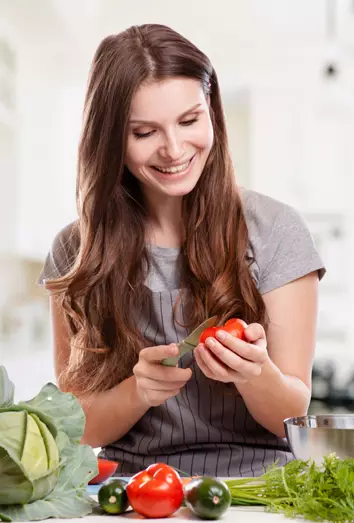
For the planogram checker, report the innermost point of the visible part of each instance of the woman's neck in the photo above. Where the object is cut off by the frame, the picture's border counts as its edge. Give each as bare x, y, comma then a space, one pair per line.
164, 227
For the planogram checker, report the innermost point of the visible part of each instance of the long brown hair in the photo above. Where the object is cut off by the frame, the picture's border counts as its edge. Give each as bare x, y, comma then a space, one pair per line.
103, 288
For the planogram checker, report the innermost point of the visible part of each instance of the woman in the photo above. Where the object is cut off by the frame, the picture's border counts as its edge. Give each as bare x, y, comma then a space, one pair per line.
165, 239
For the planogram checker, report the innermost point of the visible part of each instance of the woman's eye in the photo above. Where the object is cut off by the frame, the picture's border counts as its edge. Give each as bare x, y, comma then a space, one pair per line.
146, 135
143, 135
189, 122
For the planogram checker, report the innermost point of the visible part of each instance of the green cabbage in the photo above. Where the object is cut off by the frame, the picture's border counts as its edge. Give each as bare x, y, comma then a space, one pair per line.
44, 471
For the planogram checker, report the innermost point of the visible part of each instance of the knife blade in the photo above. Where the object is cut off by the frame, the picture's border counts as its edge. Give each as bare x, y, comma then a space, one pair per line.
190, 343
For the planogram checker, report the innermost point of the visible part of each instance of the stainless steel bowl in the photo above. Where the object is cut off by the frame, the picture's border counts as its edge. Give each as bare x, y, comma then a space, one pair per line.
316, 436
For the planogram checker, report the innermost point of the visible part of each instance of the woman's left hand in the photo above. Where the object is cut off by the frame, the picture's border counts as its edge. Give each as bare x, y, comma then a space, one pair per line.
229, 359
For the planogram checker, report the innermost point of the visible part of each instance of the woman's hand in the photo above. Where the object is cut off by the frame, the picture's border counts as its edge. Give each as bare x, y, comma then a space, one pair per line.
156, 383
231, 360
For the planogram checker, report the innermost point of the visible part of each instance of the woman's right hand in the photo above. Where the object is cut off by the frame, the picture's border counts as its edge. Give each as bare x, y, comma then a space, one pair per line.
155, 382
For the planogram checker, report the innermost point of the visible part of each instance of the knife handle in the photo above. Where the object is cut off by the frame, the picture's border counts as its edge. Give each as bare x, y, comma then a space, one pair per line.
171, 362
183, 349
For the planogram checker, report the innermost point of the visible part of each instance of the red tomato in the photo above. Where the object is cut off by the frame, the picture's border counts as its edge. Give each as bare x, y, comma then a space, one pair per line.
232, 320
208, 333
234, 326
156, 492
105, 470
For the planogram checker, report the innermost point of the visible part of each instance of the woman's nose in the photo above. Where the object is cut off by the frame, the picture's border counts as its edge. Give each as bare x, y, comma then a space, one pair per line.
172, 147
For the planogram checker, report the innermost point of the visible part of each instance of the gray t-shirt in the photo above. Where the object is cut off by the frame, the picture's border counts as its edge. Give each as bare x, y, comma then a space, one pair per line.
207, 428
280, 244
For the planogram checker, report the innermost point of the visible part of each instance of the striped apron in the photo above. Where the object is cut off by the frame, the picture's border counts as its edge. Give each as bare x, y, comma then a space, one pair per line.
206, 429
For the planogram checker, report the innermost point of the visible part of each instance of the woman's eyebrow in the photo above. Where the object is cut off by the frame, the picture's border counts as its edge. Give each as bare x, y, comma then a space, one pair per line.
135, 121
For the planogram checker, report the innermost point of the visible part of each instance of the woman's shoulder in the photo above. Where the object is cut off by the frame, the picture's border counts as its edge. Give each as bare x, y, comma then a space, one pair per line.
67, 240
69, 233
62, 253
281, 243
269, 219
262, 211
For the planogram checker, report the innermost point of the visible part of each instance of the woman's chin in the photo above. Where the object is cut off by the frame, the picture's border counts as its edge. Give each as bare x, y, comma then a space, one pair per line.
179, 192
181, 189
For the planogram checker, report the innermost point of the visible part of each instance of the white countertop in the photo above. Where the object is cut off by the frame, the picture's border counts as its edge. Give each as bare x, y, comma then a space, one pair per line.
232, 515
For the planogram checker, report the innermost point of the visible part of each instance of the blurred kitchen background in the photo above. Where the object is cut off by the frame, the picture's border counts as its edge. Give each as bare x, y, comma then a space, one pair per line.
286, 69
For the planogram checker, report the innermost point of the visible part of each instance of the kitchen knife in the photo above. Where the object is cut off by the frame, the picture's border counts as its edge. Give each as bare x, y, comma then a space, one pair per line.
190, 343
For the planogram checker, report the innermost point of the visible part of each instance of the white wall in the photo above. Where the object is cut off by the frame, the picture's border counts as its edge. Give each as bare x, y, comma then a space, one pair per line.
8, 141
290, 134
49, 115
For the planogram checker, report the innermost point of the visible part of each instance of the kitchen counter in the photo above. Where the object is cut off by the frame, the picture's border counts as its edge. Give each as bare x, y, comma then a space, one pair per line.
233, 515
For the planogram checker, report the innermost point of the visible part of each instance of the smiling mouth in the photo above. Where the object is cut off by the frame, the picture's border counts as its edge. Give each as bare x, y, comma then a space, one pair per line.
175, 169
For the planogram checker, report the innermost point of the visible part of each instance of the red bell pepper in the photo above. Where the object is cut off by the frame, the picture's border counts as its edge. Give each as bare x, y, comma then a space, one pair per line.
156, 492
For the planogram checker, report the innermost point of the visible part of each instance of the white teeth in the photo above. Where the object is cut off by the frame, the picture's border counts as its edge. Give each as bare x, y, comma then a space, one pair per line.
173, 170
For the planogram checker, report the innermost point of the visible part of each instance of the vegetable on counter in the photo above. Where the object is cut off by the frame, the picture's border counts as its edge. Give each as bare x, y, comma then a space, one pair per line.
234, 326
298, 489
156, 492
106, 468
113, 498
44, 471
208, 498
302, 488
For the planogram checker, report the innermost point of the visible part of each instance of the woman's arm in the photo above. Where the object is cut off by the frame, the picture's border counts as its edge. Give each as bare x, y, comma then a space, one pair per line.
109, 414
112, 413
283, 388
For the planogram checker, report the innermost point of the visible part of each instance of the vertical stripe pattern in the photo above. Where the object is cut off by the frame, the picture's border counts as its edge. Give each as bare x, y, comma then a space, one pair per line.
206, 429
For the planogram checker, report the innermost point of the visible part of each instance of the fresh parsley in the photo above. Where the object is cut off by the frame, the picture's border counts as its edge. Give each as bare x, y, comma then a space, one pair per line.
301, 488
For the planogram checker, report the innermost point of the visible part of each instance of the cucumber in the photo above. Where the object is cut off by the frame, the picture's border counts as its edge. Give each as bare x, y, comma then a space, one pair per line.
113, 498
208, 498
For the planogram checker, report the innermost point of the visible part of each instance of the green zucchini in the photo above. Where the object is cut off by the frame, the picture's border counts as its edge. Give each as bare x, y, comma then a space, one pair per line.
113, 498
207, 497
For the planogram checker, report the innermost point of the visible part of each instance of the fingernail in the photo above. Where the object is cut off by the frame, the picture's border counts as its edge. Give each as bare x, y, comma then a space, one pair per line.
209, 342
221, 335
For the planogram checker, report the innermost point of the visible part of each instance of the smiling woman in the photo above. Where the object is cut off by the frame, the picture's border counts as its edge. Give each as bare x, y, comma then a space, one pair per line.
168, 154
165, 239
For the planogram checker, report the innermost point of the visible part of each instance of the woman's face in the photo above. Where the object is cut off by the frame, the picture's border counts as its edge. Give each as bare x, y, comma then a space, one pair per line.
170, 135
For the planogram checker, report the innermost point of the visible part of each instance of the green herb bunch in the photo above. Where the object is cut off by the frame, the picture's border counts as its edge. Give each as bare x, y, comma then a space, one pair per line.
301, 488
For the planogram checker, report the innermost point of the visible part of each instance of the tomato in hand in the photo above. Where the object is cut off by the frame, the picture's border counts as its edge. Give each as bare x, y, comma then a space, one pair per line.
234, 326
208, 333
156, 492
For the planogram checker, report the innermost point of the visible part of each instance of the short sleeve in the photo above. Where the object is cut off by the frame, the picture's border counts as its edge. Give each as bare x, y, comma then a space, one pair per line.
281, 247
290, 252
62, 254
